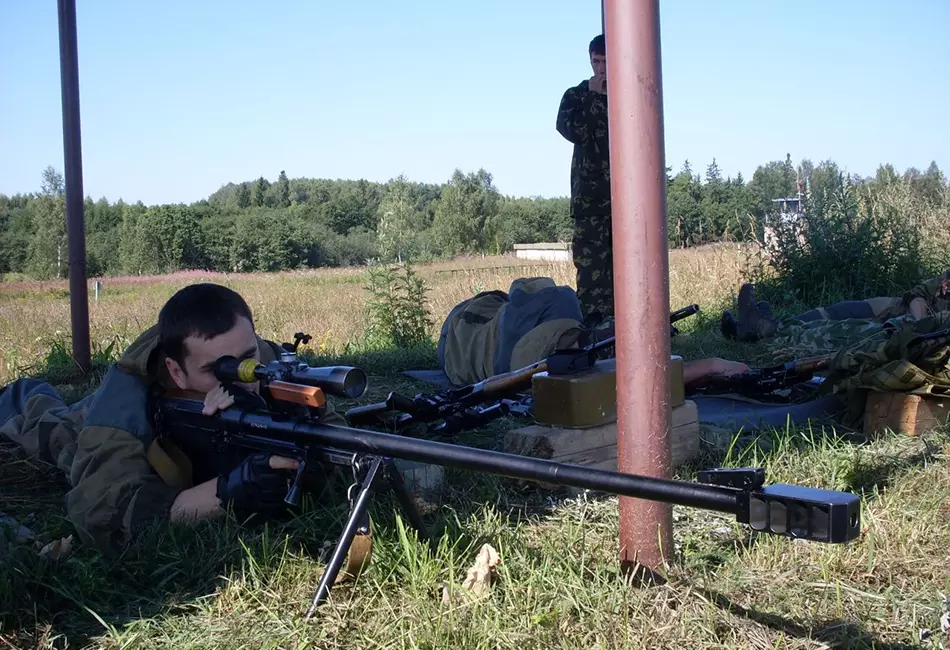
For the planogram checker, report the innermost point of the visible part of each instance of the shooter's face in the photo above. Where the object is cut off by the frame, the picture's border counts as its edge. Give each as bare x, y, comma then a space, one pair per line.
197, 371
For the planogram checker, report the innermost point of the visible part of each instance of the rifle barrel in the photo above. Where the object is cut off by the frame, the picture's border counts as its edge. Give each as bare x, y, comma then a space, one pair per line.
684, 312
817, 515
179, 412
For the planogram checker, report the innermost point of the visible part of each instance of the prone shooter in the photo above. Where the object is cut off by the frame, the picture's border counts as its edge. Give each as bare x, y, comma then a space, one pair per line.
201, 415
289, 421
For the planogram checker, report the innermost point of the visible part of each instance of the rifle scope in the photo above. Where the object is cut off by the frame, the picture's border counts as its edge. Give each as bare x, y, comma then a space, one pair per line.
342, 381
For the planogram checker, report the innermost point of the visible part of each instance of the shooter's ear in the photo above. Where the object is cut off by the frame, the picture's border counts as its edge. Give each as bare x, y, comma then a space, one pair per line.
177, 373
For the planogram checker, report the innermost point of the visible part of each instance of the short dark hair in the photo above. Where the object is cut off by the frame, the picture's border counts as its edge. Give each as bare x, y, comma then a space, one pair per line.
205, 310
598, 46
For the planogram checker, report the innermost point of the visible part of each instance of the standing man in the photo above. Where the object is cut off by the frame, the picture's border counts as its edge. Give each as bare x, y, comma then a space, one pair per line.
582, 120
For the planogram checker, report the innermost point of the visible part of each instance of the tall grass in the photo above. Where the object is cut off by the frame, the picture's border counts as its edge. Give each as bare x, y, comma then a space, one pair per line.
854, 243
330, 305
222, 585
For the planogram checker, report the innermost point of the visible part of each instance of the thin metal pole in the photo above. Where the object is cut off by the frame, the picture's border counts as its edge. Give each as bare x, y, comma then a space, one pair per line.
603, 18
72, 150
641, 278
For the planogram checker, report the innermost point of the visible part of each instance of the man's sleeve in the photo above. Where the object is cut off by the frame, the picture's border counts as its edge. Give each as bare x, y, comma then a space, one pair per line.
116, 491
574, 117
928, 290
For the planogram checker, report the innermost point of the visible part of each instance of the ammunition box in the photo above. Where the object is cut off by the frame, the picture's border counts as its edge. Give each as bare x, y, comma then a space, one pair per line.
589, 398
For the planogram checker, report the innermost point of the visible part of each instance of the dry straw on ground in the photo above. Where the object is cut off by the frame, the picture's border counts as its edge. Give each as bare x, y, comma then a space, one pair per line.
328, 304
558, 586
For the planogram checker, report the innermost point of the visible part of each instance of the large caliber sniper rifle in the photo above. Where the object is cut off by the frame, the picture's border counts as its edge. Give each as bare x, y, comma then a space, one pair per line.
764, 381
288, 419
760, 382
456, 409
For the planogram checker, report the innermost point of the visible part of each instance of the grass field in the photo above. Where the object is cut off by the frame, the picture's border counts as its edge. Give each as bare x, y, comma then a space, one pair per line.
221, 586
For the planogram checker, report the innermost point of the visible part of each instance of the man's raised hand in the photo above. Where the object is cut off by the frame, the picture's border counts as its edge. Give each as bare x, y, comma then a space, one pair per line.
217, 399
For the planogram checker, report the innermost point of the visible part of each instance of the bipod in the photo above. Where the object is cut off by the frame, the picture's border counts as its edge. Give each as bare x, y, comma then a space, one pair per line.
373, 469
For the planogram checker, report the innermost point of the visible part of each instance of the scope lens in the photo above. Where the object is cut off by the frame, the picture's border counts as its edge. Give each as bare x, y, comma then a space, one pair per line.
355, 383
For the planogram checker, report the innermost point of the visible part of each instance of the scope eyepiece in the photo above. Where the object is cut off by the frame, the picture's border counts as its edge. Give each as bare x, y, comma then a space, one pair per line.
246, 371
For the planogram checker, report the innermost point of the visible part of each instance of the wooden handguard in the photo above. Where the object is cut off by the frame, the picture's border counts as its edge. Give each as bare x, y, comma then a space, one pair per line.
297, 393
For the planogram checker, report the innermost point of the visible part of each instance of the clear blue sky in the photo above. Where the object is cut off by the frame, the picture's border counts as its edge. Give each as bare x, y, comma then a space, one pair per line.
179, 98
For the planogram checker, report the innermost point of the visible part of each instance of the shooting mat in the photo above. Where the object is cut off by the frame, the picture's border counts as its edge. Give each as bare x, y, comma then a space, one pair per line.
721, 411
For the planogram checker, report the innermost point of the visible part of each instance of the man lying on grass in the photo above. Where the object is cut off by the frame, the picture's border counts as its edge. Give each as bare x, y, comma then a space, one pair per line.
838, 321
121, 477
495, 332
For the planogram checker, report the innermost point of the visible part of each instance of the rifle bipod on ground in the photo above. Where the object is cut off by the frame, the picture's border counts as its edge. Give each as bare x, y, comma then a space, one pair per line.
782, 509
368, 473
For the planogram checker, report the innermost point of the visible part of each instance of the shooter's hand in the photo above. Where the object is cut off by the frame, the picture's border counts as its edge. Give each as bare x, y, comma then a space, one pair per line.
698, 373
217, 399
727, 368
259, 483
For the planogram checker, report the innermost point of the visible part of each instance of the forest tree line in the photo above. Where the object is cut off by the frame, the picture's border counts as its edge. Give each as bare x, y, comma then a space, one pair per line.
288, 223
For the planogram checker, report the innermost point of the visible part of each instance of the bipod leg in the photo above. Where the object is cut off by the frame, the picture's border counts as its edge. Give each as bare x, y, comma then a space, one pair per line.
357, 522
406, 503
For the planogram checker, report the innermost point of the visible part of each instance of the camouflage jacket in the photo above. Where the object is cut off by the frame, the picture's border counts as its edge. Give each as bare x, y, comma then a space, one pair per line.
122, 477
890, 361
494, 332
582, 120
936, 291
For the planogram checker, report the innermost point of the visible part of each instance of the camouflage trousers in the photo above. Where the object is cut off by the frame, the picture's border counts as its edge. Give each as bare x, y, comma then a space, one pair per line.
795, 339
828, 329
593, 258
35, 417
879, 309
892, 360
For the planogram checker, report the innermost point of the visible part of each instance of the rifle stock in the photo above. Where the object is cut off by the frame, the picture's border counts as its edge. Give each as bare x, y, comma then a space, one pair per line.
514, 380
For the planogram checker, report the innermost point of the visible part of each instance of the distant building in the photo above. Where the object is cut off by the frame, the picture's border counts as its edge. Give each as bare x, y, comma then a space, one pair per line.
553, 252
787, 210
789, 207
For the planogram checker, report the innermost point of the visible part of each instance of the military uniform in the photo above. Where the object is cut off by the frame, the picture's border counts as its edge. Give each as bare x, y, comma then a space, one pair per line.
495, 332
582, 120
888, 361
936, 291
825, 329
121, 476
803, 339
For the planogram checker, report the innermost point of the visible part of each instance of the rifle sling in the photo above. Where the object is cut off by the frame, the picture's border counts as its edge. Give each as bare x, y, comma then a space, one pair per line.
170, 463
357, 558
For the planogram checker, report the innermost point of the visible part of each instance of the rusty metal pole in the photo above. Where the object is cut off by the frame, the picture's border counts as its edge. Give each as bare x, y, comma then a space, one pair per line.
641, 272
72, 150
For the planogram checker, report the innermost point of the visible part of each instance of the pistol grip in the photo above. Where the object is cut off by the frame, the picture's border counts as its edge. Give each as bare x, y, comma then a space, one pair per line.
293, 494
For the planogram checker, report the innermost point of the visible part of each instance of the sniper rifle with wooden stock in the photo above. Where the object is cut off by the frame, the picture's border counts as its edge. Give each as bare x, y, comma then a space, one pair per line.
763, 381
457, 409
759, 382
287, 418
